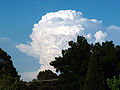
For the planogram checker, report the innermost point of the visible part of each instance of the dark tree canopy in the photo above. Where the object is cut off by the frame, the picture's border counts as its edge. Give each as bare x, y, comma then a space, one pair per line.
46, 75
9, 77
82, 66
6, 63
46, 80
73, 64
95, 76
80, 63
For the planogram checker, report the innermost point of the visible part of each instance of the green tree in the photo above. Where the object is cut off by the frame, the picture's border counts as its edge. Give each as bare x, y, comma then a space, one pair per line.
46, 80
6, 62
95, 75
110, 56
46, 75
73, 64
114, 83
9, 78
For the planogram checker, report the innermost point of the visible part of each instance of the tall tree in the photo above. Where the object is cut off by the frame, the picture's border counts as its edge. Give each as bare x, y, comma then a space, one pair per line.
95, 75
73, 64
111, 60
103, 59
9, 77
6, 62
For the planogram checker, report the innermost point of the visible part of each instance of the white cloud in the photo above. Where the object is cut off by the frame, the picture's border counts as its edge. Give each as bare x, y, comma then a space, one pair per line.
100, 36
52, 33
28, 76
113, 33
4, 39
113, 27
89, 37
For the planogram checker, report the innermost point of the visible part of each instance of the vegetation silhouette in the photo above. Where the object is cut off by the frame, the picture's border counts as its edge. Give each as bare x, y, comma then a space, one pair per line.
82, 66
85, 66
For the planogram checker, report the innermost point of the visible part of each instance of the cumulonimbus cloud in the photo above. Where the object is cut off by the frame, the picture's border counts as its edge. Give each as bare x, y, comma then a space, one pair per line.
52, 33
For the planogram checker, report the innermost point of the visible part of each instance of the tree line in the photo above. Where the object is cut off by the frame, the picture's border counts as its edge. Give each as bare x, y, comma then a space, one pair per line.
82, 66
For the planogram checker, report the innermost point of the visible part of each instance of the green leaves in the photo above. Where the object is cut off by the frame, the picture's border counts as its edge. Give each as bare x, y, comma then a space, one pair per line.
82, 66
46, 75
87, 65
8, 74
95, 75
114, 83
73, 64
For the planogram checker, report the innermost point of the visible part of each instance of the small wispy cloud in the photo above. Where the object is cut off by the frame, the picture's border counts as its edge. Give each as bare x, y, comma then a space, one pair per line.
113, 33
4, 39
113, 27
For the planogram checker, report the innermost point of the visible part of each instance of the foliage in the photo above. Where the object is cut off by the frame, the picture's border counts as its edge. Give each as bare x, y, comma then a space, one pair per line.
110, 56
73, 64
46, 75
46, 80
6, 63
81, 62
95, 75
9, 78
114, 83
82, 66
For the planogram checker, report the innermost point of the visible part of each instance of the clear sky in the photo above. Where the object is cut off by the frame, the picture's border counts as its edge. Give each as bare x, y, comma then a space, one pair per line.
17, 18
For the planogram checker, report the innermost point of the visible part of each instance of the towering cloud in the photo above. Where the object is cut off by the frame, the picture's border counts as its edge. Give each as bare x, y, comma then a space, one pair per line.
52, 33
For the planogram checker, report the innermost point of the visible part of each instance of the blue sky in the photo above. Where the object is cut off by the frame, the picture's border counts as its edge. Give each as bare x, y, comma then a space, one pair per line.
17, 18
